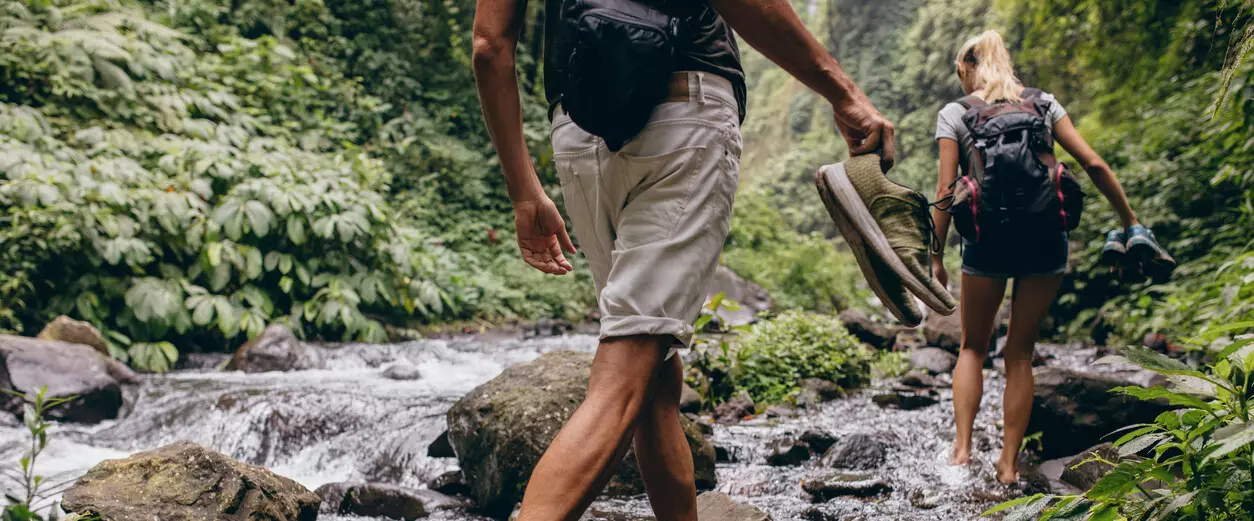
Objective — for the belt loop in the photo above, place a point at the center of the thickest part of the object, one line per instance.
(696, 86)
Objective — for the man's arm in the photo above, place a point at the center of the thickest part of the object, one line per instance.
(773, 28)
(541, 231)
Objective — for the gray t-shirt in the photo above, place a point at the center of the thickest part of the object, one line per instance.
(949, 122)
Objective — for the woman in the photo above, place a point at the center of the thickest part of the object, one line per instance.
(1036, 261)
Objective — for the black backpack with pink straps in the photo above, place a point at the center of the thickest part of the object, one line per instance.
(1011, 182)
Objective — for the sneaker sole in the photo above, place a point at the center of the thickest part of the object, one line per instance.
(844, 204)
(1113, 256)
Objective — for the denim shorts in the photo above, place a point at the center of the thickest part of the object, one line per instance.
(1017, 256)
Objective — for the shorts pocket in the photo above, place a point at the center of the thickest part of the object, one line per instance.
(658, 190)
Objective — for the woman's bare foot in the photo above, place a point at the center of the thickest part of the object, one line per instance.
(1007, 473)
(960, 457)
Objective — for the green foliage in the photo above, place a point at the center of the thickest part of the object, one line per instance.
(891, 364)
(35, 491)
(775, 355)
(1191, 463)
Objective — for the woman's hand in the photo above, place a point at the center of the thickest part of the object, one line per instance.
(939, 271)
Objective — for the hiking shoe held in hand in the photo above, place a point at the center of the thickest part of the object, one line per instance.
(1143, 249)
(1115, 249)
(888, 226)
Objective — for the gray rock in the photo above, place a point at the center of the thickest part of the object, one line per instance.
(933, 360)
(276, 349)
(904, 401)
(450, 483)
(202, 361)
(919, 380)
(1075, 410)
(943, 331)
(735, 409)
(402, 371)
(856, 452)
(378, 500)
(187, 482)
(787, 452)
(441, 447)
(66, 329)
(867, 330)
(840, 484)
(780, 410)
(926, 498)
(817, 440)
(690, 401)
(1083, 476)
(501, 428)
(816, 390)
(717, 506)
(66, 370)
(751, 297)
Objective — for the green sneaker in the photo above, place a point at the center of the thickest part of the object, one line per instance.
(889, 223)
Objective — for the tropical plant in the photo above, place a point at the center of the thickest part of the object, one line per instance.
(1192, 463)
(35, 492)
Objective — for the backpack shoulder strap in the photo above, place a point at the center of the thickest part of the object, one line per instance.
(970, 102)
(1032, 93)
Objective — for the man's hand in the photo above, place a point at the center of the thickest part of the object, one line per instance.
(866, 130)
(542, 236)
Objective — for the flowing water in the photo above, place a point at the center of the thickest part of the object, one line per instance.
(349, 423)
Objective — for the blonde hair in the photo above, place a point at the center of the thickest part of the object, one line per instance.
(987, 58)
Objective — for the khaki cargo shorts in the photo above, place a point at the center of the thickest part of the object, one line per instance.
(652, 218)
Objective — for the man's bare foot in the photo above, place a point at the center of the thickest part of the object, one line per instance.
(960, 457)
(1007, 473)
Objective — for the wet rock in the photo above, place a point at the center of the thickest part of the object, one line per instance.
(817, 440)
(703, 424)
(751, 297)
(548, 327)
(841, 484)
(202, 361)
(816, 390)
(378, 500)
(66, 329)
(66, 370)
(188, 482)
(1083, 476)
(933, 360)
(690, 401)
(441, 447)
(919, 380)
(856, 452)
(780, 411)
(717, 506)
(787, 452)
(1075, 410)
(904, 401)
(450, 483)
(909, 340)
(943, 331)
(867, 330)
(501, 428)
(276, 349)
(818, 514)
(402, 371)
(737, 408)
(722, 455)
(926, 498)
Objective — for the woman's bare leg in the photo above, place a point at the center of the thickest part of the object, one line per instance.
(1033, 297)
(981, 297)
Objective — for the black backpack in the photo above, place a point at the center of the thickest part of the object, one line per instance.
(619, 57)
(1011, 182)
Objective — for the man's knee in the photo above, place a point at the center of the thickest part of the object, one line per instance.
(625, 372)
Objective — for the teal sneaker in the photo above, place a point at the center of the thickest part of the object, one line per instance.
(1143, 249)
(1115, 249)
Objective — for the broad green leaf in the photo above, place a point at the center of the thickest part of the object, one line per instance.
(1176, 504)
(1134, 434)
(296, 230)
(260, 217)
(1230, 439)
(1117, 481)
(1014, 503)
(1139, 444)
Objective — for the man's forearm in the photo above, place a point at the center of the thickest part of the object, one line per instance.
(773, 28)
(497, 83)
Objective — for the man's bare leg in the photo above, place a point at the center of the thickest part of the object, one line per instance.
(583, 456)
(662, 450)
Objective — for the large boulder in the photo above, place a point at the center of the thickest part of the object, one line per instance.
(276, 349)
(66, 370)
(1075, 410)
(867, 330)
(933, 360)
(187, 482)
(943, 331)
(66, 329)
(501, 428)
(717, 506)
(751, 297)
(1081, 473)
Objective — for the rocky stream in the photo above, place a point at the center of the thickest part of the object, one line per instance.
(376, 414)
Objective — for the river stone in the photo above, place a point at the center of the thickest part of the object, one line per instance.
(867, 330)
(186, 482)
(817, 440)
(379, 500)
(926, 498)
(904, 400)
(441, 447)
(839, 484)
(1083, 475)
(817, 390)
(856, 452)
(451, 483)
(66, 370)
(933, 360)
(690, 400)
(501, 428)
(751, 297)
(787, 452)
(919, 380)
(943, 331)
(717, 506)
(737, 408)
(66, 329)
(1075, 410)
(276, 349)
(402, 370)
